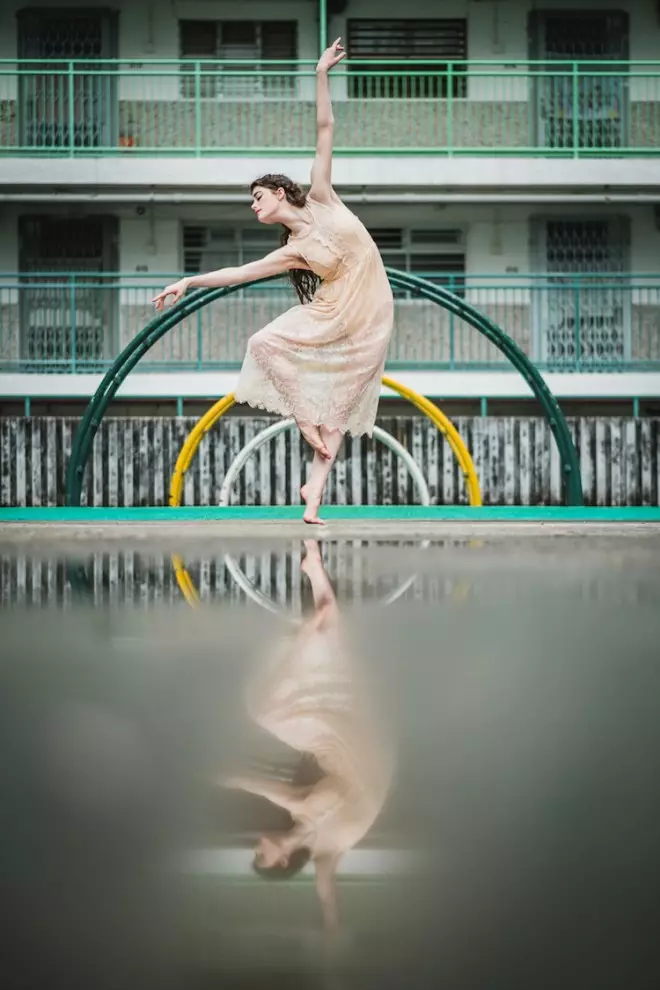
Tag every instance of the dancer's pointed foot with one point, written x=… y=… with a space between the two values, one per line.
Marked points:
x=312 y=435
x=312 y=502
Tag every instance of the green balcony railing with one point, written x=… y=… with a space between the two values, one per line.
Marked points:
x=200 y=107
x=77 y=322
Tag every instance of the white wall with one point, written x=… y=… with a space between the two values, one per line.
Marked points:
x=645 y=242
x=148 y=241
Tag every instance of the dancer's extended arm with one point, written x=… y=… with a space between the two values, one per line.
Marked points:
x=285 y=795
x=326 y=889
x=321 y=175
x=276 y=263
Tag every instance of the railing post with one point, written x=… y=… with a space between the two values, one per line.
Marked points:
x=200 y=362
x=576 y=111
x=72 y=110
x=323 y=25
x=72 y=309
x=452 y=325
x=450 y=108
x=198 y=108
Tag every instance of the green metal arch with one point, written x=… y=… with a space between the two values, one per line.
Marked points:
x=165 y=321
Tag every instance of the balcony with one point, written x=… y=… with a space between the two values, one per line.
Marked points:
x=551 y=109
x=67 y=323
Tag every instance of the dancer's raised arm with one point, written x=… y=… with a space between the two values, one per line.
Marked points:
x=276 y=263
x=321 y=176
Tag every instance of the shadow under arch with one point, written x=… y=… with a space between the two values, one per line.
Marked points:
x=163 y=322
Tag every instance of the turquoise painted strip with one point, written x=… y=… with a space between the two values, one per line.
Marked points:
x=438 y=513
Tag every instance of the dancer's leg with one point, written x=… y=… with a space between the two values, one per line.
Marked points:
x=269 y=354
x=325 y=603
x=312 y=492
x=312 y=566
x=312 y=434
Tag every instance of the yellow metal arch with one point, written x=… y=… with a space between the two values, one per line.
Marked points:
x=431 y=411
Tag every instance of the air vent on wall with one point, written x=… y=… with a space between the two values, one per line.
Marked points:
x=435 y=237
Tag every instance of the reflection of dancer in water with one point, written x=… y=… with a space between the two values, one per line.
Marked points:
x=308 y=699
x=320 y=363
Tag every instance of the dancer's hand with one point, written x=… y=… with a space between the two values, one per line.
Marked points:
x=232 y=783
x=331 y=56
x=176 y=289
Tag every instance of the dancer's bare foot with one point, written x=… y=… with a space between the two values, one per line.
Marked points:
x=312 y=435
x=312 y=501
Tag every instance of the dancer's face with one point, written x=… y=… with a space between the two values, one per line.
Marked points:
x=267 y=204
x=269 y=853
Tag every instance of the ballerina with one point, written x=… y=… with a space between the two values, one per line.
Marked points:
x=311 y=697
x=320 y=362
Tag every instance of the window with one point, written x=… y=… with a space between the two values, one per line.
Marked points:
x=583 y=315
x=208 y=248
x=440 y=41
x=63 y=319
x=57 y=110
x=215 y=42
x=600 y=102
x=437 y=255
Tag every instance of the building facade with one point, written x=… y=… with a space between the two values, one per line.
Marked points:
x=508 y=150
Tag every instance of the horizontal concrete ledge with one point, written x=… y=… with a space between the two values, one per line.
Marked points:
x=593 y=541
x=211 y=385
x=384 y=513
x=372 y=172
x=377 y=863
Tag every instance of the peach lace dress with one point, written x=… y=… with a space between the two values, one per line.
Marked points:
x=322 y=363
x=308 y=696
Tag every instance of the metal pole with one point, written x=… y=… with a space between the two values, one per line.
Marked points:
x=323 y=25
x=175 y=199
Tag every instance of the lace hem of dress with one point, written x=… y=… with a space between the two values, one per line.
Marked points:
x=280 y=410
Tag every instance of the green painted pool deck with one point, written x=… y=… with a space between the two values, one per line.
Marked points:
x=382 y=513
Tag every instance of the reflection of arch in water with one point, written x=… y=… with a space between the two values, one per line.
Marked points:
x=460 y=589
x=135 y=577
x=183 y=577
